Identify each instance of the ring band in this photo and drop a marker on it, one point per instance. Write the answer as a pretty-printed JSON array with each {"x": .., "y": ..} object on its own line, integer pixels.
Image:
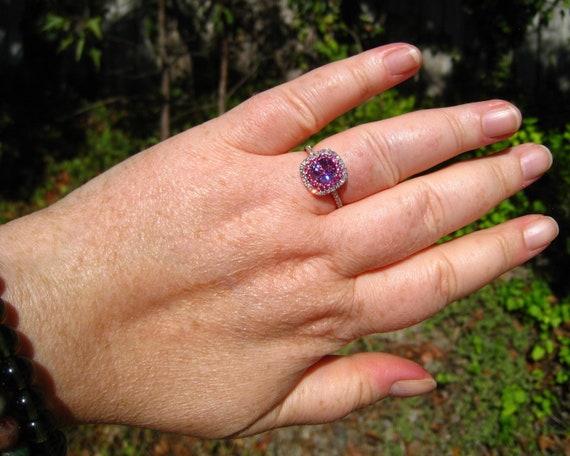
[{"x": 323, "y": 172}]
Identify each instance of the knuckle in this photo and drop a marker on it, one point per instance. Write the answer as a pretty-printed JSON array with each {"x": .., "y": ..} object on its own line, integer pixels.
[
  {"x": 364, "y": 393},
  {"x": 303, "y": 104},
  {"x": 456, "y": 127},
  {"x": 360, "y": 78},
  {"x": 432, "y": 209},
  {"x": 499, "y": 177},
  {"x": 502, "y": 247},
  {"x": 445, "y": 280},
  {"x": 383, "y": 154}
]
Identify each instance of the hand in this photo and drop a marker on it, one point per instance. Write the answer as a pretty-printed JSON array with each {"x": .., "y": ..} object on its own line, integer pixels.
[{"x": 199, "y": 288}]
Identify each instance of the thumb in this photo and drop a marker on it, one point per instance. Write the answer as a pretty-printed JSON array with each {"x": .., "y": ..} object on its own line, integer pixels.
[{"x": 338, "y": 385}]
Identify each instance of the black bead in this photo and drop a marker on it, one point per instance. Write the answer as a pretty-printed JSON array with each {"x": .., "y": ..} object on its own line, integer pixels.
[
  {"x": 26, "y": 427},
  {"x": 16, "y": 373},
  {"x": 27, "y": 405},
  {"x": 40, "y": 430},
  {"x": 4, "y": 399},
  {"x": 9, "y": 341}
]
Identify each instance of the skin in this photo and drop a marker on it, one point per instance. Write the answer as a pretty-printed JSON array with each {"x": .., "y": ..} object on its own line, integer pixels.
[{"x": 199, "y": 288}]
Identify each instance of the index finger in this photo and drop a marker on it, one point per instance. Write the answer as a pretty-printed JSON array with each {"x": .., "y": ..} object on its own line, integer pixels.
[{"x": 277, "y": 120}]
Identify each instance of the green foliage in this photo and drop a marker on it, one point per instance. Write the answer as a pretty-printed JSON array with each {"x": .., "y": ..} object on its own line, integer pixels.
[
  {"x": 532, "y": 301},
  {"x": 386, "y": 105},
  {"x": 106, "y": 145},
  {"x": 75, "y": 32},
  {"x": 222, "y": 17},
  {"x": 324, "y": 16},
  {"x": 505, "y": 398},
  {"x": 322, "y": 28}
]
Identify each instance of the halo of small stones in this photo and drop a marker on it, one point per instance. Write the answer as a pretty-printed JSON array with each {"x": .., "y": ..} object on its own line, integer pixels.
[{"x": 317, "y": 188}]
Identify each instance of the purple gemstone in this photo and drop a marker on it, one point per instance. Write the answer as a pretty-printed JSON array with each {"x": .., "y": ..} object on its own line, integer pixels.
[{"x": 323, "y": 172}]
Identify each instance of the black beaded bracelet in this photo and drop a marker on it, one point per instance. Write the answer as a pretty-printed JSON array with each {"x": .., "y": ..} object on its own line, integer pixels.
[{"x": 26, "y": 426}]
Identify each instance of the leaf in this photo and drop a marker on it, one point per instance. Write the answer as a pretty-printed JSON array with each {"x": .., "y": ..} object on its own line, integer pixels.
[
  {"x": 55, "y": 22},
  {"x": 538, "y": 353},
  {"x": 65, "y": 43},
  {"x": 79, "y": 48},
  {"x": 94, "y": 26},
  {"x": 229, "y": 17},
  {"x": 95, "y": 55}
]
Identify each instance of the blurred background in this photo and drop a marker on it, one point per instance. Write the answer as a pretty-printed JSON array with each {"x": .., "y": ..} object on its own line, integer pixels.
[{"x": 86, "y": 83}]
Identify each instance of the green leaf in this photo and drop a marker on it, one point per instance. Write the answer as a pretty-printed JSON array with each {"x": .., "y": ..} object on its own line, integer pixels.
[
  {"x": 538, "y": 353},
  {"x": 53, "y": 22},
  {"x": 65, "y": 43},
  {"x": 79, "y": 48},
  {"x": 94, "y": 26},
  {"x": 95, "y": 56},
  {"x": 229, "y": 17}
]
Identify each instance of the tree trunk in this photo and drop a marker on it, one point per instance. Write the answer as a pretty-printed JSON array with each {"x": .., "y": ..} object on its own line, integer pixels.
[
  {"x": 223, "y": 86},
  {"x": 165, "y": 72}
]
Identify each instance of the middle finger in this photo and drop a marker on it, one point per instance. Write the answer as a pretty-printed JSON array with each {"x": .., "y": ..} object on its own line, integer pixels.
[{"x": 400, "y": 221}]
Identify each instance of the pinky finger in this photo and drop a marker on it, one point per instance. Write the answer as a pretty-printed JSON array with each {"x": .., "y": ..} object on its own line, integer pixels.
[{"x": 408, "y": 292}]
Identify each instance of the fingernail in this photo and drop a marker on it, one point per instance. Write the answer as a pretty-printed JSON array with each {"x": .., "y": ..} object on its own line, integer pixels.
[
  {"x": 539, "y": 234},
  {"x": 409, "y": 388},
  {"x": 402, "y": 61},
  {"x": 535, "y": 162},
  {"x": 501, "y": 121}
]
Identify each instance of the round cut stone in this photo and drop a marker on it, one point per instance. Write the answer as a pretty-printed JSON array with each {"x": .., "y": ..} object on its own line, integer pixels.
[{"x": 323, "y": 172}]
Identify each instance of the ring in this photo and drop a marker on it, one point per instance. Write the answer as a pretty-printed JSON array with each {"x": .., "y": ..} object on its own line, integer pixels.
[{"x": 323, "y": 172}]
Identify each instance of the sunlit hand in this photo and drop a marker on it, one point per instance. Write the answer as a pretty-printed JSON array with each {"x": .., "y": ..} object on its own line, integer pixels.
[{"x": 198, "y": 287}]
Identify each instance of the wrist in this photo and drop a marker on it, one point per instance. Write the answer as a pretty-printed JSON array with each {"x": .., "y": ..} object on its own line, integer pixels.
[
  {"x": 27, "y": 425},
  {"x": 57, "y": 281},
  {"x": 31, "y": 307}
]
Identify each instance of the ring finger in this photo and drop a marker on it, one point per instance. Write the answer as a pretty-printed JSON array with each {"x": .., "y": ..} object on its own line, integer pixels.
[{"x": 381, "y": 154}]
